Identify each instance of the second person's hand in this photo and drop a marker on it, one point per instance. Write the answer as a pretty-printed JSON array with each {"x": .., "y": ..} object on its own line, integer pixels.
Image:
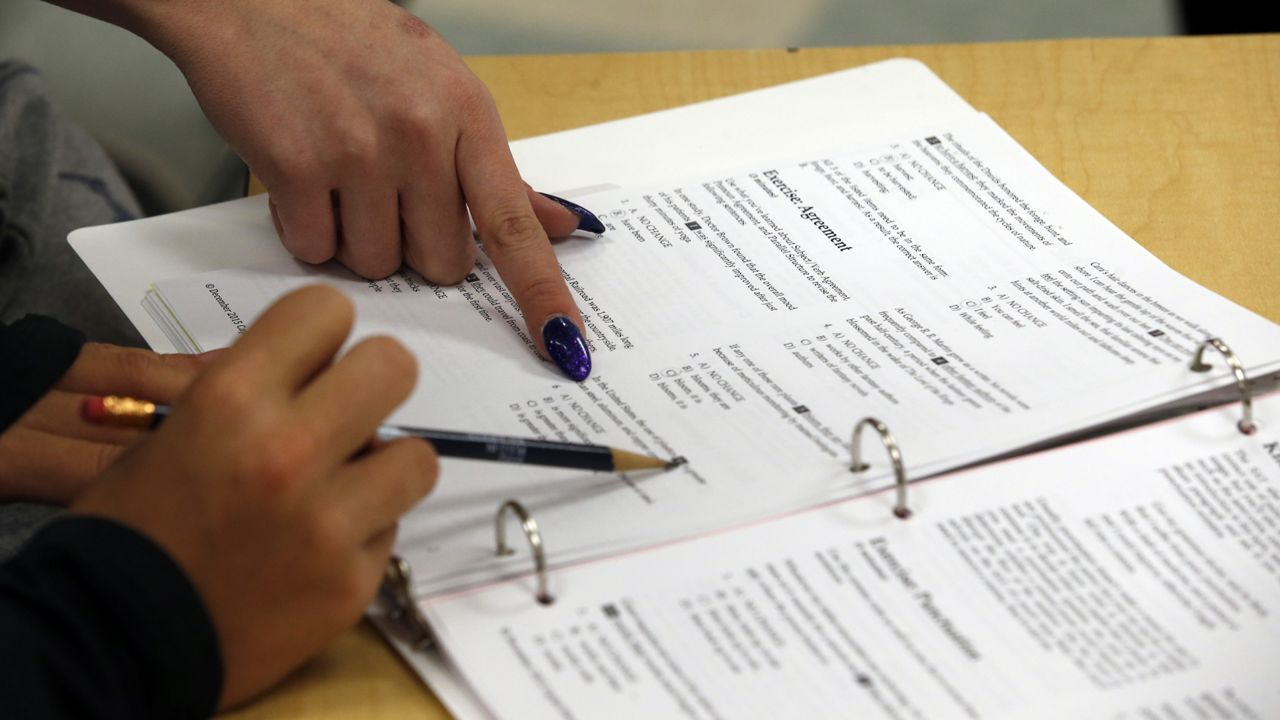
[{"x": 264, "y": 488}]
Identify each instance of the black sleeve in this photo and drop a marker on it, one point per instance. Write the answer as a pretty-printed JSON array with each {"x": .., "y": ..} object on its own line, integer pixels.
[
  {"x": 96, "y": 621},
  {"x": 34, "y": 352}
]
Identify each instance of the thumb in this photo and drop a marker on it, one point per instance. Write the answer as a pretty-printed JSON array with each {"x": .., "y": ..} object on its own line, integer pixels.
[{"x": 560, "y": 217}]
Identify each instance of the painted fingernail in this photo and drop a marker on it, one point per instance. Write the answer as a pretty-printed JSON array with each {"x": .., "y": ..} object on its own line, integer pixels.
[
  {"x": 567, "y": 348},
  {"x": 587, "y": 220}
]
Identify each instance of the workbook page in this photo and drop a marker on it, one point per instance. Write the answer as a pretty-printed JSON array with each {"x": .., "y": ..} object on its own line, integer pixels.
[
  {"x": 1136, "y": 576},
  {"x": 941, "y": 281}
]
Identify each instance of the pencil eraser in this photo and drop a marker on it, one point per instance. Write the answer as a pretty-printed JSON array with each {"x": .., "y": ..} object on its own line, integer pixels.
[{"x": 93, "y": 410}]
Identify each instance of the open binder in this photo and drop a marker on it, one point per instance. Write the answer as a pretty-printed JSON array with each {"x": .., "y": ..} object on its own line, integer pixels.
[
  {"x": 1218, "y": 661},
  {"x": 758, "y": 394},
  {"x": 402, "y": 605}
]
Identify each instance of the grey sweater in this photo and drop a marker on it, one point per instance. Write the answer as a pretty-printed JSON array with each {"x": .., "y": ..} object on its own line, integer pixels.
[{"x": 53, "y": 179}]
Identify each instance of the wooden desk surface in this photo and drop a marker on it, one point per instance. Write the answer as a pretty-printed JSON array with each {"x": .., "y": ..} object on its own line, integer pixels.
[{"x": 1175, "y": 140}]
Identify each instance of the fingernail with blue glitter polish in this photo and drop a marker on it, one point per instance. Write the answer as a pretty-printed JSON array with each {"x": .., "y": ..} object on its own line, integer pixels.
[
  {"x": 566, "y": 348},
  {"x": 587, "y": 220}
]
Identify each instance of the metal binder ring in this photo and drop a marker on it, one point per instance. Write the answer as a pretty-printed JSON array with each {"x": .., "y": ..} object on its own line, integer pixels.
[
  {"x": 397, "y": 587},
  {"x": 900, "y": 508},
  {"x": 1246, "y": 424},
  {"x": 531, "y": 533}
]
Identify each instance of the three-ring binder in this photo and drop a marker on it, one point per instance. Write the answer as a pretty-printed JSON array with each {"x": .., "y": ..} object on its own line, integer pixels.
[{"x": 397, "y": 582}]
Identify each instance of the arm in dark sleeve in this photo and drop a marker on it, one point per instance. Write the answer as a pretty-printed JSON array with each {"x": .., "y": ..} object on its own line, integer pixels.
[{"x": 96, "y": 621}]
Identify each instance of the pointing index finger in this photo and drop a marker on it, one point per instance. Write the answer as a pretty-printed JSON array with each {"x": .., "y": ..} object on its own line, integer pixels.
[{"x": 521, "y": 253}]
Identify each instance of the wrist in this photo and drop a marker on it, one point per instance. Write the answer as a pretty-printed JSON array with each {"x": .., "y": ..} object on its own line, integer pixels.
[{"x": 168, "y": 25}]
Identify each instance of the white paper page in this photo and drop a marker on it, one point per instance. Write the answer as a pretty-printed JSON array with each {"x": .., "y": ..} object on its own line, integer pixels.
[
  {"x": 1133, "y": 576},
  {"x": 855, "y": 104},
  {"x": 753, "y": 356}
]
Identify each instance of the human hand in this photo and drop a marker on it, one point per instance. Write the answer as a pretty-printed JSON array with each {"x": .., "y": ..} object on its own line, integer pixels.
[
  {"x": 51, "y": 454},
  {"x": 257, "y": 487},
  {"x": 373, "y": 139}
]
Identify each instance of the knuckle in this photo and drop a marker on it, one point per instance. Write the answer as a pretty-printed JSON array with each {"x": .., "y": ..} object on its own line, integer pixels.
[
  {"x": 435, "y": 270},
  {"x": 135, "y": 365},
  {"x": 290, "y": 165},
  {"x": 424, "y": 468},
  {"x": 417, "y": 456},
  {"x": 220, "y": 393},
  {"x": 360, "y": 145},
  {"x": 375, "y": 265},
  {"x": 418, "y": 120},
  {"x": 447, "y": 267},
  {"x": 93, "y": 354},
  {"x": 511, "y": 227},
  {"x": 541, "y": 291},
  {"x": 280, "y": 464},
  {"x": 180, "y": 370},
  {"x": 453, "y": 273},
  {"x": 181, "y": 362},
  {"x": 308, "y": 248},
  {"x": 103, "y": 457},
  {"x": 471, "y": 96}
]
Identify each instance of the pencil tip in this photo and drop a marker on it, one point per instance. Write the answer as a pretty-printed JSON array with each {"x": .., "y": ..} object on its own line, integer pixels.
[
  {"x": 624, "y": 461},
  {"x": 676, "y": 462}
]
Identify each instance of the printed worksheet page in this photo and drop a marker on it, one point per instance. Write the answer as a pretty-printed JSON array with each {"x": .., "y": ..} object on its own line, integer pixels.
[
  {"x": 1136, "y": 576},
  {"x": 941, "y": 281}
]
